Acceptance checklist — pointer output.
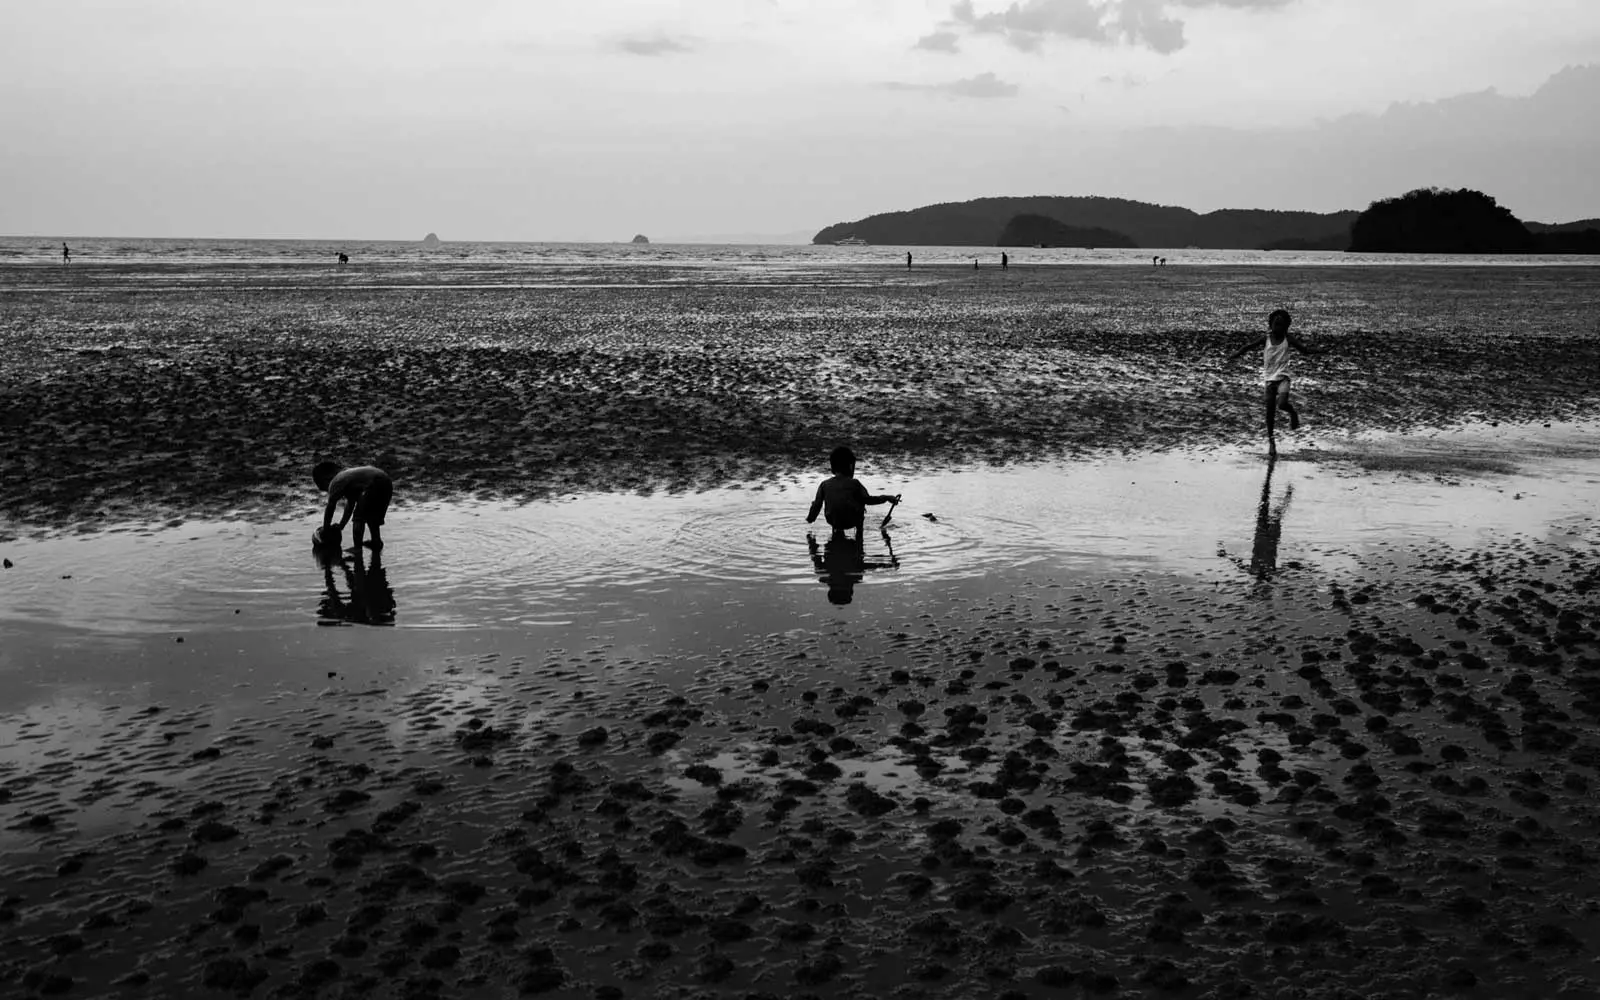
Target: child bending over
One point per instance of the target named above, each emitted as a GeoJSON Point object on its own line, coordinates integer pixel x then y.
{"type": "Point", "coordinates": [366, 491]}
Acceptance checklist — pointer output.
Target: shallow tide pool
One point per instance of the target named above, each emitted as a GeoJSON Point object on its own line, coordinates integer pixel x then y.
{"type": "Point", "coordinates": [747, 557]}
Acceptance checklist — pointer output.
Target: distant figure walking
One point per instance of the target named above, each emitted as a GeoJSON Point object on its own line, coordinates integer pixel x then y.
{"type": "Point", "coordinates": [1005, 262]}
{"type": "Point", "coordinates": [1275, 372]}
{"type": "Point", "coordinates": [974, 263]}
{"type": "Point", "coordinates": [908, 260]}
{"type": "Point", "coordinates": [344, 258]}
{"type": "Point", "coordinates": [66, 255]}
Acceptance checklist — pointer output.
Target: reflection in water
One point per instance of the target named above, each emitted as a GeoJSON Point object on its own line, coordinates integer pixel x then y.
{"type": "Point", "coordinates": [842, 563]}
{"type": "Point", "coordinates": [371, 601]}
{"type": "Point", "coordinates": [1269, 531]}
{"type": "Point", "coordinates": [479, 564]}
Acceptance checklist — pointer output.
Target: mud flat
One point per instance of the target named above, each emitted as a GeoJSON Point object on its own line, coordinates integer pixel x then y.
{"type": "Point", "coordinates": [153, 391]}
{"type": "Point", "coordinates": [1322, 768]}
{"type": "Point", "coordinates": [1325, 764]}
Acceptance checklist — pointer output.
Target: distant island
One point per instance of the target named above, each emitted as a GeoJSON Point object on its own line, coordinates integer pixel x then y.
{"type": "Point", "coordinates": [641, 238]}
{"type": "Point", "coordinates": [983, 221]}
{"type": "Point", "coordinates": [1029, 230]}
{"type": "Point", "coordinates": [1438, 220]}
{"type": "Point", "coordinates": [989, 222]}
{"type": "Point", "coordinates": [431, 240]}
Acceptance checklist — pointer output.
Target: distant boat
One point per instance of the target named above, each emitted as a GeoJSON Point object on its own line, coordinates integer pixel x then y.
{"type": "Point", "coordinates": [850, 241]}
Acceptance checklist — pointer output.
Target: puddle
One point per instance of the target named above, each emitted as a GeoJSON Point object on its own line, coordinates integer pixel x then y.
{"type": "Point", "coordinates": [610, 558]}
{"type": "Point", "coordinates": [247, 609]}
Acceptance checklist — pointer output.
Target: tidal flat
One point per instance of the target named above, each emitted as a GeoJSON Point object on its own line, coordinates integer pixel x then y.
{"type": "Point", "coordinates": [152, 391]}
{"type": "Point", "coordinates": [1116, 709]}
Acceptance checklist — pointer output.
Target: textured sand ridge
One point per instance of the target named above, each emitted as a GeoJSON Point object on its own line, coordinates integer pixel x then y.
{"type": "Point", "coordinates": [1376, 785]}
{"type": "Point", "coordinates": [131, 401]}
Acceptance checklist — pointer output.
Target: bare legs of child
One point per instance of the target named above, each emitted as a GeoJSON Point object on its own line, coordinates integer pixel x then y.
{"type": "Point", "coordinates": [360, 531]}
{"type": "Point", "coordinates": [1277, 398]}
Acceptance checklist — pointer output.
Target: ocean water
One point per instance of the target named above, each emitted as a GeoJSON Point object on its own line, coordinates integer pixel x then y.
{"type": "Point", "coordinates": [40, 250]}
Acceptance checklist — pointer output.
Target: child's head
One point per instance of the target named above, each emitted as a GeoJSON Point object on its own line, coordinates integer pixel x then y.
{"type": "Point", "coordinates": [1278, 321]}
{"type": "Point", "coordinates": [323, 472]}
{"type": "Point", "coordinates": [842, 461]}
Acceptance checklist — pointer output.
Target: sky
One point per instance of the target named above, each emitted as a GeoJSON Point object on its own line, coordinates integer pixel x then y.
{"type": "Point", "coordinates": [539, 120]}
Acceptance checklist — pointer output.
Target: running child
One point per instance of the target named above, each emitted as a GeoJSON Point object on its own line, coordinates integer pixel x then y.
{"type": "Point", "coordinates": [1275, 372]}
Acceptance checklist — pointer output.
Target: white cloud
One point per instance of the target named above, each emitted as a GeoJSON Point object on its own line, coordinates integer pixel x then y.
{"type": "Point", "coordinates": [1026, 25]}
{"type": "Point", "coordinates": [939, 41]}
{"type": "Point", "coordinates": [658, 44]}
{"type": "Point", "coordinates": [984, 85]}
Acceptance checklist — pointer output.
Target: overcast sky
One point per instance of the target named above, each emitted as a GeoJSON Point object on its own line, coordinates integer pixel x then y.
{"type": "Point", "coordinates": [538, 120]}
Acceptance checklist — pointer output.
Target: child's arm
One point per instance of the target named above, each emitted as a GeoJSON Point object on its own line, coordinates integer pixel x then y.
{"type": "Point", "coordinates": [816, 507]}
{"type": "Point", "coordinates": [885, 498]}
{"type": "Point", "coordinates": [1253, 345]}
{"type": "Point", "coordinates": [327, 512]}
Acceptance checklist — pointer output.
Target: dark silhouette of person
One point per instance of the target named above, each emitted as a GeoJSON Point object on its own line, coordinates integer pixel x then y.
{"type": "Point", "coordinates": [1005, 262]}
{"type": "Point", "coordinates": [1275, 371]}
{"type": "Point", "coordinates": [1263, 563]}
{"type": "Point", "coordinates": [1155, 261]}
{"type": "Point", "coordinates": [371, 599]}
{"type": "Point", "coordinates": [66, 254]}
{"type": "Point", "coordinates": [908, 260]}
{"type": "Point", "coordinates": [842, 563]}
{"type": "Point", "coordinates": [344, 258]}
{"type": "Point", "coordinates": [842, 497]}
{"type": "Point", "coordinates": [974, 263]}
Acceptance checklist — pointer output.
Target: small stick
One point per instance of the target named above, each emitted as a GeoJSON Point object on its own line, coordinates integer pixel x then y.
{"type": "Point", "coordinates": [892, 504]}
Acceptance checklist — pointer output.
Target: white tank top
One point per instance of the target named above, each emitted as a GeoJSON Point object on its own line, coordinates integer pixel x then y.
{"type": "Point", "coordinates": [1275, 363]}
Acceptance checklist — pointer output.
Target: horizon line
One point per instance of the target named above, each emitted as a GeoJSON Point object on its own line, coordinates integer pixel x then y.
{"type": "Point", "coordinates": [366, 239]}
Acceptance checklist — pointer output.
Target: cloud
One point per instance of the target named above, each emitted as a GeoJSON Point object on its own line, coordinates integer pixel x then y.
{"type": "Point", "coordinates": [1026, 25]}
{"type": "Point", "coordinates": [939, 41]}
{"type": "Point", "coordinates": [654, 45]}
{"type": "Point", "coordinates": [1533, 154]}
{"type": "Point", "coordinates": [984, 85]}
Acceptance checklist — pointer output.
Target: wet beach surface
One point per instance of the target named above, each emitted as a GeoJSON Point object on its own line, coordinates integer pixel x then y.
{"type": "Point", "coordinates": [152, 391]}
{"type": "Point", "coordinates": [1125, 717]}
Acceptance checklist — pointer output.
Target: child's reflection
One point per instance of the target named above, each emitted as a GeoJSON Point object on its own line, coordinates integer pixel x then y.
{"type": "Point", "coordinates": [371, 601]}
{"type": "Point", "coordinates": [842, 562]}
{"type": "Point", "coordinates": [1269, 530]}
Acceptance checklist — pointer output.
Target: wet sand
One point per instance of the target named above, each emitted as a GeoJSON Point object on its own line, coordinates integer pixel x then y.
{"type": "Point", "coordinates": [1350, 752]}
{"type": "Point", "coordinates": [153, 392]}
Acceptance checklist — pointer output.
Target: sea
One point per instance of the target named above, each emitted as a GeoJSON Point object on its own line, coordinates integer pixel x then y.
{"type": "Point", "coordinates": [91, 250]}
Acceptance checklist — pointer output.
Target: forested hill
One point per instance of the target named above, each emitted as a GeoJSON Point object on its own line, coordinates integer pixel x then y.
{"type": "Point", "coordinates": [1562, 227]}
{"type": "Point", "coordinates": [979, 223]}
